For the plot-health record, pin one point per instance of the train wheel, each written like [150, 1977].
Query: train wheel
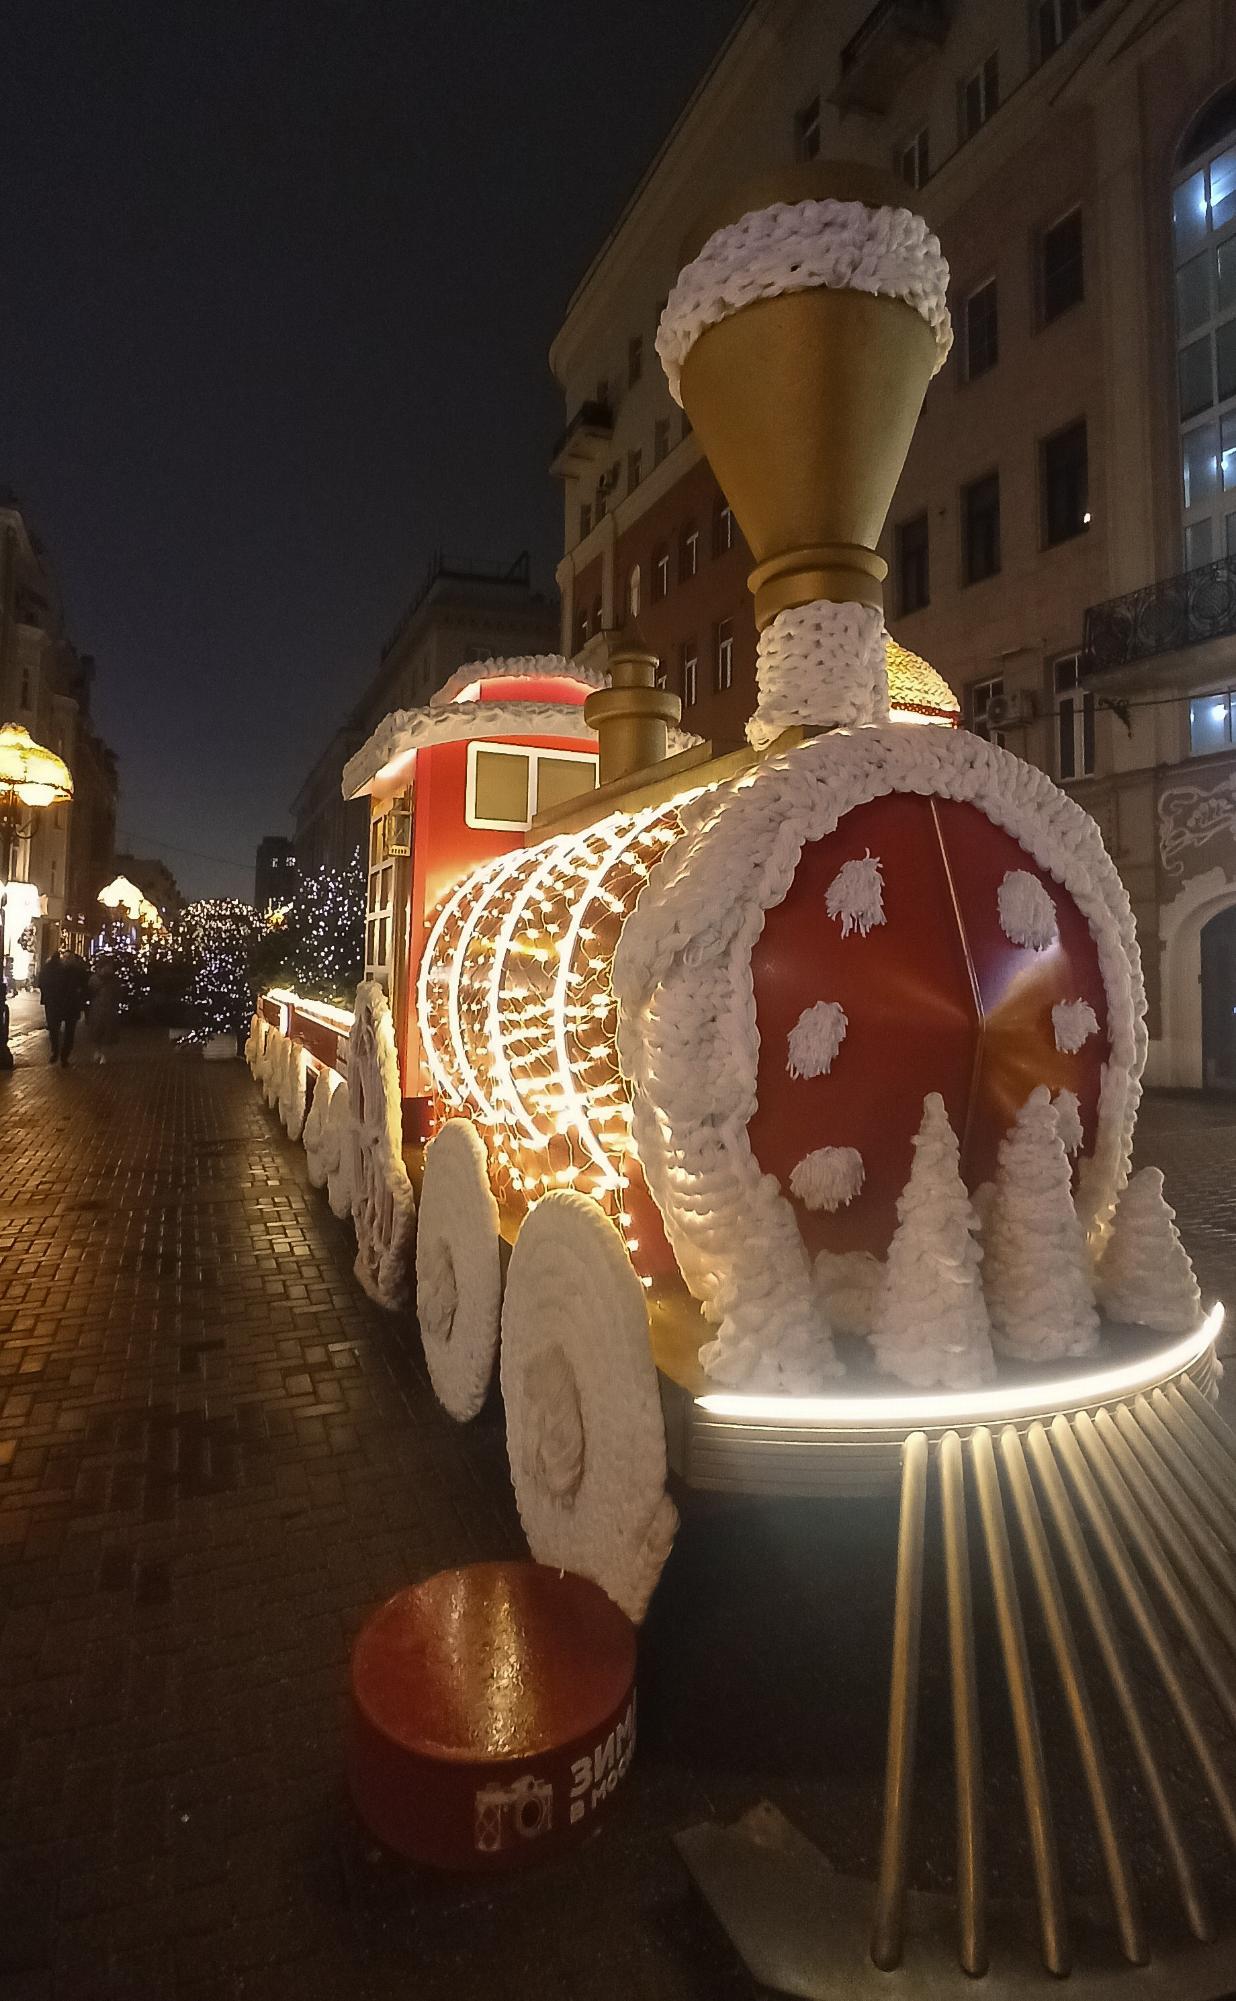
[584, 1428]
[458, 1273]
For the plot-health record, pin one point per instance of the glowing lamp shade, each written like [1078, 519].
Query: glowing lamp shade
[35, 776]
[916, 693]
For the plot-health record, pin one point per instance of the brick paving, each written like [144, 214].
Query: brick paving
[215, 1457]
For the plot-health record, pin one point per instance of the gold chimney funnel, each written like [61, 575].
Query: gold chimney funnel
[632, 716]
[805, 405]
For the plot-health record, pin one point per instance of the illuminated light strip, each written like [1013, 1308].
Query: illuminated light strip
[316, 1010]
[438, 1069]
[505, 867]
[554, 855]
[970, 1406]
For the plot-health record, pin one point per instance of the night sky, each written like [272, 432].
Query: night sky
[277, 283]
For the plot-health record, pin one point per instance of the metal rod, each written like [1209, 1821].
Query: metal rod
[1207, 1452]
[1137, 1598]
[1053, 1923]
[1220, 1513]
[1165, 1569]
[1129, 1925]
[1200, 1403]
[888, 1923]
[967, 1741]
[1179, 1486]
[1107, 1639]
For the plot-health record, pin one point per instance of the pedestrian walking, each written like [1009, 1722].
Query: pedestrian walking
[63, 981]
[103, 1007]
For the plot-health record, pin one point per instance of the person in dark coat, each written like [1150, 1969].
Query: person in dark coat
[62, 988]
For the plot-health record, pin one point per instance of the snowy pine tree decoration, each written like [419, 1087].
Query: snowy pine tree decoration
[1036, 1269]
[930, 1325]
[1145, 1277]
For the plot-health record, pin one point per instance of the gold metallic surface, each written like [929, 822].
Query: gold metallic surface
[805, 406]
[1191, 1431]
[1090, 1752]
[967, 1741]
[888, 1922]
[1170, 1473]
[1154, 1638]
[1053, 1922]
[1107, 1640]
[632, 716]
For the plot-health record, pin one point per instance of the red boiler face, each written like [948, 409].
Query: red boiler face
[936, 997]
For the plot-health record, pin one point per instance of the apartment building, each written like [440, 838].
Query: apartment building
[1062, 545]
[461, 611]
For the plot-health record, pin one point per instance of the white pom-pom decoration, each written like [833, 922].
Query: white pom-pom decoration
[1068, 1120]
[1074, 1023]
[855, 896]
[1027, 913]
[829, 1178]
[815, 1038]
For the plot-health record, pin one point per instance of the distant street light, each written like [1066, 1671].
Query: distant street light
[30, 777]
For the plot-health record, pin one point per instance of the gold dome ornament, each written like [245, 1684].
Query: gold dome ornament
[916, 692]
[29, 774]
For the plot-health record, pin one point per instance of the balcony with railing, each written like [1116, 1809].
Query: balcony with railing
[1158, 630]
[895, 36]
[584, 441]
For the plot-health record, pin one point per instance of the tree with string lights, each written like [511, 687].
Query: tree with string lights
[215, 936]
[316, 943]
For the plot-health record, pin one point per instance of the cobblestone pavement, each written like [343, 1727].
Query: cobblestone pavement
[215, 1458]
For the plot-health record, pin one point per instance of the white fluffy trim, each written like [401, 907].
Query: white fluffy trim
[464, 684]
[823, 665]
[294, 1088]
[315, 1136]
[458, 1274]
[460, 722]
[383, 1205]
[829, 1178]
[337, 1151]
[855, 896]
[1027, 913]
[1074, 1022]
[794, 247]
[848, 1284]
[815, 1038]
[1068, 1121]
[689, 1042]
[583, 1416]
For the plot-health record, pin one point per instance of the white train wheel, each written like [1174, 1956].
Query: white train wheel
[585, 1433]
[337, 1151]
[458, 1273]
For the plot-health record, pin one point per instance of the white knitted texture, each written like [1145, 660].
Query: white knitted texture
[585, 1433]
[828, 1179]
[383, 1205]
[688, 1038]
[1037, 1271]
[458, 1273]
[855, 896]
[314, 1135]
[1068, 1121]
[821, 665]
[795, 247]
[930, 1326]
[1073, 1023]
[1145, 1276]
[814, 1040]
[1027, 913]
[337, 1151]
[847, 1284]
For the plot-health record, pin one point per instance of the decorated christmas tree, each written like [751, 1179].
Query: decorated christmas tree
[316, 943]
[214, 936]
[1145, 1277]
[1036, 1269]
[930, 1325]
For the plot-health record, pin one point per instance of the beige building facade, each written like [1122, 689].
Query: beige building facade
[1062, 545]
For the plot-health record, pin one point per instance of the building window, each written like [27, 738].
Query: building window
[807, 131]
[633, 592]
[1064, 483]
[635, 359]
[660, 574]
[690, 673]
[980, 513]
[600, 500]
[914, 160]
[1057, 20]
[725, 654]
[634, 465]
[585, 521]
[913, 570]
[981, 695]
[1204, 237]
[1210, 722]
[982, 331]
[688, 553]
[978, 97]
[602, 395]
[660, 440]
[1061, 267]
[1074, 719]
[660, 675]
[722, 528]
[507, 786]
[581, 631]
[684, 425]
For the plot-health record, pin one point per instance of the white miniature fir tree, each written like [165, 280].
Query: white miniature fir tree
[930, 1324]
[1036, 1269]
[1145, 1277]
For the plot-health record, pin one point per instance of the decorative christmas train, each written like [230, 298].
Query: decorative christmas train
[747, 1111]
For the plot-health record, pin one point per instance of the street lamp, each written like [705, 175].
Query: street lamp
[30, 777]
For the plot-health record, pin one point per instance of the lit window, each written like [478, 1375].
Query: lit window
[690, 673]
[1074, 719]
[1210, 722]
[633, 591]
[978, 97]
[660, 574]
[725, 655]
[807, 131]
[982, 694]
[689, 554]
[982, 331]
[723, 528]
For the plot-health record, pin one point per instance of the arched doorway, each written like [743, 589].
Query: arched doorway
[1218, 977]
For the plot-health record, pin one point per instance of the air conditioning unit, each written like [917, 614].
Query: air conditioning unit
[1002, 710]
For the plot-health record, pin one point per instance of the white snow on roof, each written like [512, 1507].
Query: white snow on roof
[463, 685]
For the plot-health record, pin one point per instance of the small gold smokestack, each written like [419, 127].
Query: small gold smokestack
[632, 716]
